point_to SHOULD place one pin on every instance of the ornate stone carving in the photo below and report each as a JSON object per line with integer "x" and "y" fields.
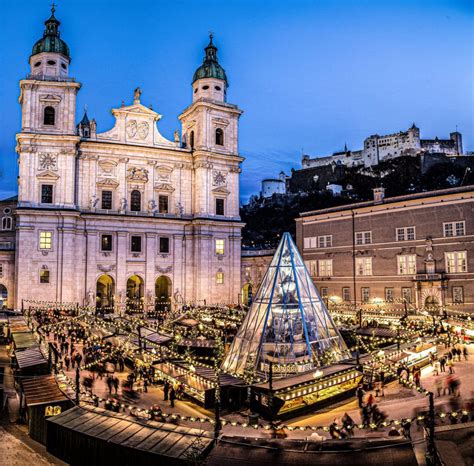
{"x": 123, "y": 204}
{"x": 106, "y": 268}
{"x": 143, "y": 129}
{"x": 179, "y": 209}
{"x": 204, "y": 165}
{"x": 131, "y": 128}
{"x": 47, "y": 161}
{"x": 152, "y": 207}
{"x": 107, "y": 182}
{"x": 167, "y": 187}
{"x": 235, "y": 170}
{"x": 93, "y": 201}
{"x": 137, "y": 174}
{"x": 218, "y": 178}
{"x": 160, "y": 269}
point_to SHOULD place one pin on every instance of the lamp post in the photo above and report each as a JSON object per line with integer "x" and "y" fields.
{"x": 78, "y": 384}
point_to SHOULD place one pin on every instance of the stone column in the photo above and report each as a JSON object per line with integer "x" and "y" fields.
{"x": 150, "y": 261}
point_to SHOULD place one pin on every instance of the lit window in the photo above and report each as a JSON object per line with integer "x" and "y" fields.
{"x": 136, "y": 244}
{"x": 219, "y": 246}
{"x": 363, "y": 237}
{"x": 107, "y": 200}
{"x": 364, "y": 266}
{"x": 163, "y": 204}
{"x": 106, "y": 243}
{"x": 407, "y": 264}
{"x": 312, "y": 266}
{"x": 164, "y": 245}
{"x": 7, "y": 223}
{"x": 44, "y": 276}
{"x": 45, "y": 240}
{"x": 220, "y": 278}
{"x": 46, "y": 193}
{"x": 325, "y": 267}
{"x": 323, "y": 292}
{"x": 456, "y": 262}
{"x": 454, "y": 229}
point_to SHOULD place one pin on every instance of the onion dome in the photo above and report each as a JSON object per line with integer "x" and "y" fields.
{"x": 51, "y": 42}
{"x": 210, "y": 67}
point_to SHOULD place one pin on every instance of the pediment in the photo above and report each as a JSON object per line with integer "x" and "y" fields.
{"x": 221, "y": 190}
{"x": 47, "y": 175}
{"x": 107, "y": 182}
{"x": 164, "y": 187}
{"x": 164, "y": 169}
{"x": 137, "y": 109}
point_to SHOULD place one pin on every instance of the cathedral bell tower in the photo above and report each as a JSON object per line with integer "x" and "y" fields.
{"x": 210, "y": 132}
{"x": 48, "y": 94}
{"x": 47, "y": 141}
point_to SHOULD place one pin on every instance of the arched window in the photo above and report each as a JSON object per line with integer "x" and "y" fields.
{"x": 49, "y": 114}
{"x": 135, "y": 201}
{"x": 7, "y": 223}
{"x": 219, "y": 137}
{"x": 191, "y": 140}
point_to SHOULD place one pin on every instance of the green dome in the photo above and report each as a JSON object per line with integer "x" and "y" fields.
{"x": 210, "y": 67}
{"x": 51, "y": 42}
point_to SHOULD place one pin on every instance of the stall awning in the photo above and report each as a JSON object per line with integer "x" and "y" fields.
{"x": 30, "y": 357}
{"x": 118, "y": 429}
{"x": 42, "y": 390}
{"x": 357, "y": 452}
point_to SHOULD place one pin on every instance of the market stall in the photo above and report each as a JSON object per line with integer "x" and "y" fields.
{"x": 290, "y": 396}
{"x": 40, "y": 399}
{"x": 31, "y": 362}
{"x": 94, "y": 436}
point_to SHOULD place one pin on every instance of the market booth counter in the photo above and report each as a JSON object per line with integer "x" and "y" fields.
{"x": 199, "y": 383}
{"x": 309, "y": 391}
{"x": 40, "y": 399}
{"x": 93, "y": 436}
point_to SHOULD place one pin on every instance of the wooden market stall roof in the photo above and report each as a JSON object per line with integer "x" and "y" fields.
{"x": 24, "y": 340}
{"x": 355, "y": 452}
{"x": 42, "y": 390}
{"x": 30, "y": 357}
{"x": 454, "y": 443}
{"x": 120, "y": 433}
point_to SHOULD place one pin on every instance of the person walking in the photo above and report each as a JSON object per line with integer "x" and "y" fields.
{"x": 115, "y": 383}
{"x": 442, "y": 363}
{"x": 172, "y": 396}
{"x": 465, "y": 353}
{"x": 439, "y": 386}
{"x": 166, "y": 389}
{"x": 360, "y": 396}
{"x": 109, "y": 383}
{"x": 451, "y": 366}
{"x": 67, "y": 361}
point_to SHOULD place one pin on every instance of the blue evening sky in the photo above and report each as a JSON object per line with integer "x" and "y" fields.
{"x": 310, "y": 75}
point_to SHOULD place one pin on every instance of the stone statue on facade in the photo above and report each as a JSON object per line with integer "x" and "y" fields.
{"x": 136, "y": 95}
{"x": 179, "y": 209}
{"x": 177, "y": 296}
{"x": 152, "y": 207}
{"x": 123, "y": 204}
{"x": 176, "y": 136}
{"x": 94, "y": 200}
{"x": 93, "y": 126}
{"x": 90, "y": 298}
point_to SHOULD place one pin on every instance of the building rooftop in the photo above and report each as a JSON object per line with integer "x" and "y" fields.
{"x": 391, "y": 200}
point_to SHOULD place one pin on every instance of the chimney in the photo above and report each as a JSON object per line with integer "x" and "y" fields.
{"x": 379, "y": 194}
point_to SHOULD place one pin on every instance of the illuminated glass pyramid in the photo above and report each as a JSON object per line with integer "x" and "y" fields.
{"x": 287, "y": 324}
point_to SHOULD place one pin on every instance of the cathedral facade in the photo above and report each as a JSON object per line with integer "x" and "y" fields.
{"x": 126, "y": 215}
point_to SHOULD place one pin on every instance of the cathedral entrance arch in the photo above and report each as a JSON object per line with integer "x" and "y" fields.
{"x": 135, "y": 289}
{"x": 247, "y": 294}
{"x": 104, "y": 295}
{"x": 3, "y": 296}
{"x": 431, "y": 301}
{"x": 163, "y": 292}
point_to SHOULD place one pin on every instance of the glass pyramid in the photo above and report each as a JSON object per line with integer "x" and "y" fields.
{"x": 287, "y": 324}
